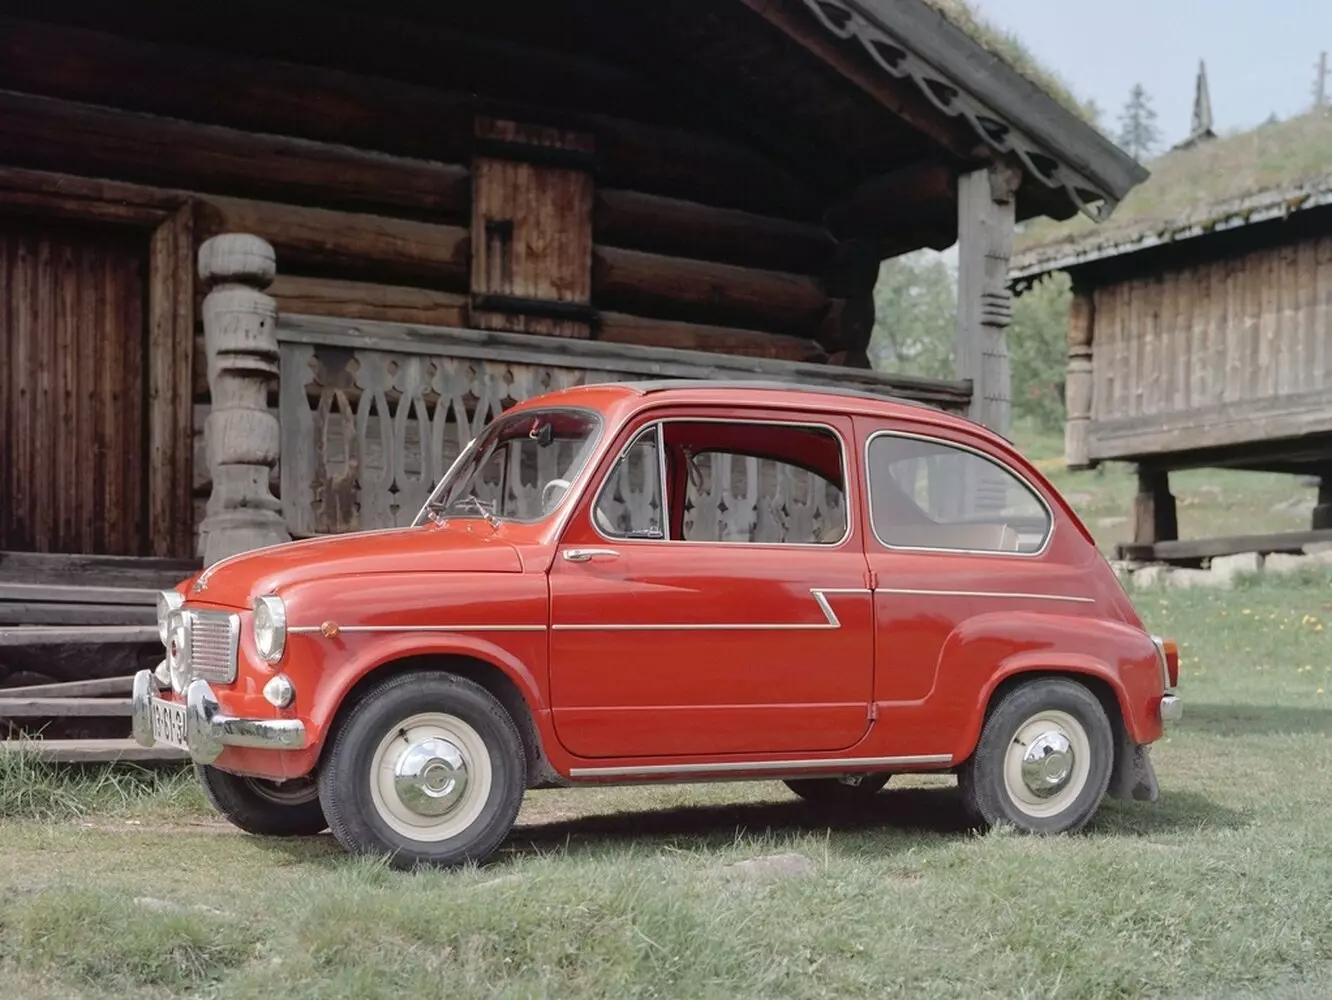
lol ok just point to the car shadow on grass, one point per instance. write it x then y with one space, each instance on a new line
906 816
1256 720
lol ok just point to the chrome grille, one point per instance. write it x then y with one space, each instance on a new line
213 638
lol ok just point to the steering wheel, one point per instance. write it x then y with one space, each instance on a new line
547 501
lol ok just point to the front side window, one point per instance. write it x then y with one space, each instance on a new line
519 468
928 494
629 504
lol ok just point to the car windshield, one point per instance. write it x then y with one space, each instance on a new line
518 469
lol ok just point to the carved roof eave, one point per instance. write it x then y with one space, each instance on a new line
1270 205
850 20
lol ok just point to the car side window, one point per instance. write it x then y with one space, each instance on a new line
732 497
629 504
928 494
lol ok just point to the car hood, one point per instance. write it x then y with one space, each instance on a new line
236 581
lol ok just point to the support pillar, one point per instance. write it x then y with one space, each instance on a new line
1322 512
1078 382
846 329
241 433
986 217
1154 517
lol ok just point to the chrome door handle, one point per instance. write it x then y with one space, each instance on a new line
587 555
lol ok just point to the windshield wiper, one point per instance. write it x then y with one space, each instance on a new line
485 509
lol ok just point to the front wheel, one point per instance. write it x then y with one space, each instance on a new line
262 807
428 769
852 790
1043 761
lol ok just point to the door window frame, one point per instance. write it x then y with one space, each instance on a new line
844 457
956 446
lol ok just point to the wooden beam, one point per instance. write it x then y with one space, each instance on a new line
986 211
70 635
51 134
346 242
73 594
677 288
1196 549
72 689
365 300
52 613
94 570
675 227
624 328
92 751
55 708
848 59
920 197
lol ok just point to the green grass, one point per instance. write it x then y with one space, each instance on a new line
1220 890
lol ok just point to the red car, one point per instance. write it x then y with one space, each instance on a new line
670 581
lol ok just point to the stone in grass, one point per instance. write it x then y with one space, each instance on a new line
166 906
1229 567
771 865
1155 575
1185 579
1287 562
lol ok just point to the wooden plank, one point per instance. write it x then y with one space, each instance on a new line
365 300
46 613
634 220
1190 549
51 134
624 328
592 355
58 635
705 291
91 751
35 593
72 689
58 708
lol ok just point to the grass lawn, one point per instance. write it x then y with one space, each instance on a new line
114 884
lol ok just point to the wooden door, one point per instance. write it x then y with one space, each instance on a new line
73 392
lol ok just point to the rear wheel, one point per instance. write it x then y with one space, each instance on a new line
267 808
1043 760
428 769
853 789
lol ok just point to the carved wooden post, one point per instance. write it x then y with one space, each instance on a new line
986 218
240 335
1078 384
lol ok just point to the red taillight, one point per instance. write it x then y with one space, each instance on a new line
1172 660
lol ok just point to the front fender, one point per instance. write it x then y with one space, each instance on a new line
1120 655
353 657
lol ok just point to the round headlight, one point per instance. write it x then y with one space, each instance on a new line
270 627
167 602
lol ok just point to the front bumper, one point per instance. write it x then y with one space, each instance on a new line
207 730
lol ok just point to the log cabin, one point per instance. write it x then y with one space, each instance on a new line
264 272
1200 327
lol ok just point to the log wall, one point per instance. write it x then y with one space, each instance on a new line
1215 354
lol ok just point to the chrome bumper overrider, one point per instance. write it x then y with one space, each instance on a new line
1172 708
207 730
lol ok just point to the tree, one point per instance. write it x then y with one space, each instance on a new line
1138 134
1037 351
915 313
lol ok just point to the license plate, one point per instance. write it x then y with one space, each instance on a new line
169 722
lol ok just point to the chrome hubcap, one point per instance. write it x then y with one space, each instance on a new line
430 776
1047 764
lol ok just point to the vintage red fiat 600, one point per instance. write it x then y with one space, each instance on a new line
669 582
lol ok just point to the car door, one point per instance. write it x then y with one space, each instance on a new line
732 617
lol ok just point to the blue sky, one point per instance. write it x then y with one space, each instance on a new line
1260 55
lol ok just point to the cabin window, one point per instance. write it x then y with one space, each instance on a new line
928 494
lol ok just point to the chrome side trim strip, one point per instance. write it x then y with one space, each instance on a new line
985 593
761 766
831 621
308 629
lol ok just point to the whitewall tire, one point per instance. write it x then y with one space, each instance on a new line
1044 758
427 769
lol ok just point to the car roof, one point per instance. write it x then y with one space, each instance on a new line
755 392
